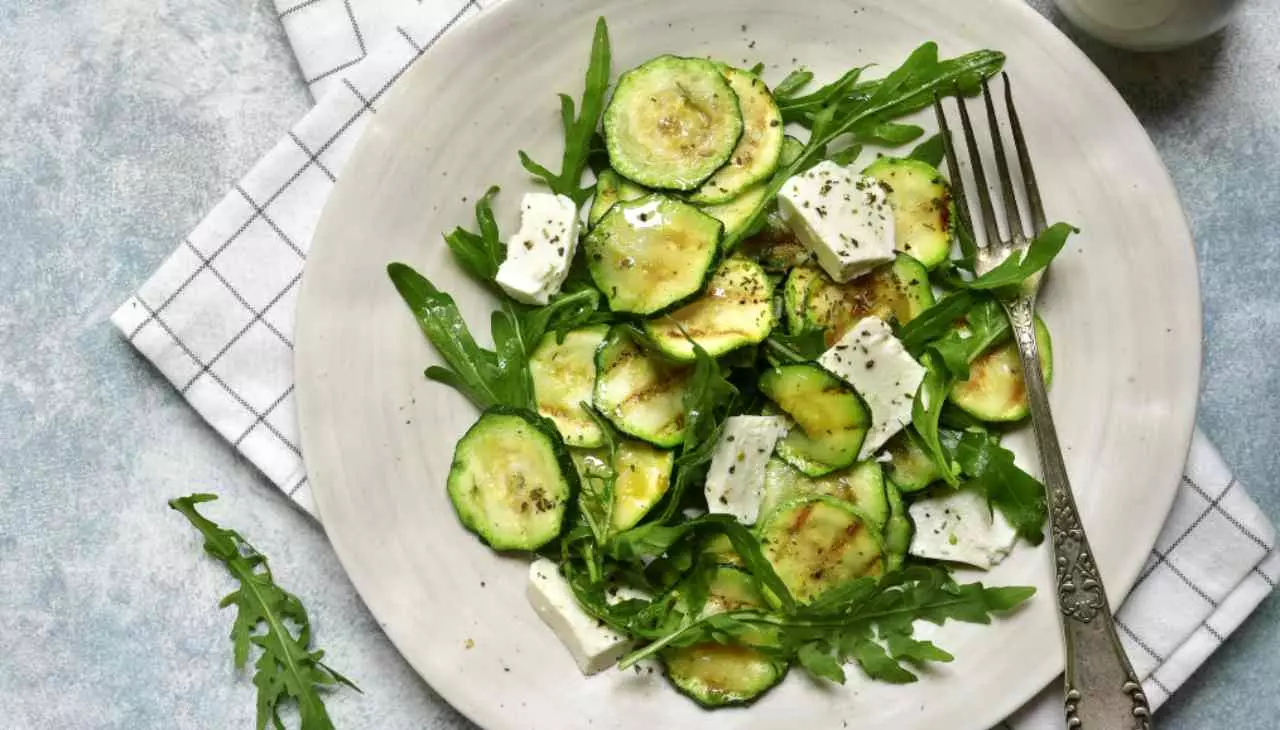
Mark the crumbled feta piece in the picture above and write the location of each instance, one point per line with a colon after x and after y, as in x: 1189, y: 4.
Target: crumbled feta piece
x: 843, y: 217
x: 538, y: 256
x: 874, y: 362
x: 735, y: 479
x: 594, y: 646
x: 960, y: 526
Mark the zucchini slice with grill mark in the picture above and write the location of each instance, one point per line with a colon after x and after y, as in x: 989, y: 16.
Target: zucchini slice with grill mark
x: 756, y: 155
x: 861, y: 485
x: 896, y: 291
x: 910, y: 467
x: 831, y: 420
x: 735, y: 309
x: 511, y: 479
x: 736, y: 213
x: 641, y: 393
x: 795, y: 296
x: 714, y: 674
x: 564, y: 375
x: 818, y: 543
x: 611, y: 188
x: 651, y: 253
x: 995, y: 390
x: 922, y: 207
x: 671, y: 123
x: 898, y: 530
x: 644, y: 475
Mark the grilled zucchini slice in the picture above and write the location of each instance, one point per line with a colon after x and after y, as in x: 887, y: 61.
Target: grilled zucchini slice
x: 651, y: 253
x: 735, y: 309
x: 735, y: 673
x: 861, y: 485
x: 736, y: 213
x: 896, y: 291
x: 671, y: 123
x: 511, y: 479
x: 995, y: 390
x: 818, y: 543
x: 922, y: 207
x: 611, y: 188
x: 831, y: 419
x: 756, y: 155
x: 644, y: 475
x: 910, y: 467
x: 564, y: 375
x: 641, y: 393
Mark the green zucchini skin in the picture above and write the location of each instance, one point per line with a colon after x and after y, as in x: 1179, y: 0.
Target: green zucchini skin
x: 818, y: 543
x: 995, y: 390
x: 652, y: 254
x: 672, y: 122
x: 641, y: 393
x: 923, y: 211
x: 735, y: 309
x: 910, y: 467
x: 611, y: 188
x: 831, y: 420
x: 898, y: 529
x: 758, y: 150
x: 512, y: 480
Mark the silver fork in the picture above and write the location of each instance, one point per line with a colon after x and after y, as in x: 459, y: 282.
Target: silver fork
x: 1102, y: 691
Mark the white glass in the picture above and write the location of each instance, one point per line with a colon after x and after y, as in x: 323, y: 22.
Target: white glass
x: 1148, y: 25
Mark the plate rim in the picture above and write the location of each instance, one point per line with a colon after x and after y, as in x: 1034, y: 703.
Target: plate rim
x: 461, y: 35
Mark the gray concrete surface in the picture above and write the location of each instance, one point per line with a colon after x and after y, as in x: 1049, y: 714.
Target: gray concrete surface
x: 123, y: 121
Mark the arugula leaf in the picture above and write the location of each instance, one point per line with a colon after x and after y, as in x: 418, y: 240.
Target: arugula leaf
x: 935, y: 321
x: 842, y: 629
x: 479, y: 254
x: 925, y: 412
x: 845, y: 156
x: 846, y: 107
x: 930, y: 151
x: 889, y: 134
x: 992, y: 471
x: 599, y: 482
x: 985, y: 327
x: 792, y: 84
x: 488, y: 377
x: 817, y: 660
x: 267, y: 616
x: 471, y: 369
x: 1019, y: 267
x: 803, y: 346
x: 579, y: 132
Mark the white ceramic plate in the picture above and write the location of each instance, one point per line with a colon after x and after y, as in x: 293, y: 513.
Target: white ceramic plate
x: 1122, y: 303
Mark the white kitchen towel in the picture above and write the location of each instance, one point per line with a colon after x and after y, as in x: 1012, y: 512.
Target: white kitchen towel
x: 217, y: 320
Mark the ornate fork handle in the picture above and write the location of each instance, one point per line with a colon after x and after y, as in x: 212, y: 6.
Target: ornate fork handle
x: 1100, y: 684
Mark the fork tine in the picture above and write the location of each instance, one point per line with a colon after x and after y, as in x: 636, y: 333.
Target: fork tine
x: 960, y: 202
x: 1011, y: 216
x: 1038, y: 223
x: 975, y: 161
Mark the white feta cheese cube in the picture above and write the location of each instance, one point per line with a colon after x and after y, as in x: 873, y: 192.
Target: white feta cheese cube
x: 594, y: 646
x: 735, y: 479
x: 538, y: 256
x: 874, y: 362
x: 843, y: 217
x: 960, y: 526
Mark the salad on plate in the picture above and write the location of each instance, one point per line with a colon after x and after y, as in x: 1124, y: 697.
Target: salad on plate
x: 745, y: 397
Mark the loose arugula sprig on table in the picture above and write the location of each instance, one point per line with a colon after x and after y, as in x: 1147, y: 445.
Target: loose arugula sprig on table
x: 287, y: 671
x: 868, y: 621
